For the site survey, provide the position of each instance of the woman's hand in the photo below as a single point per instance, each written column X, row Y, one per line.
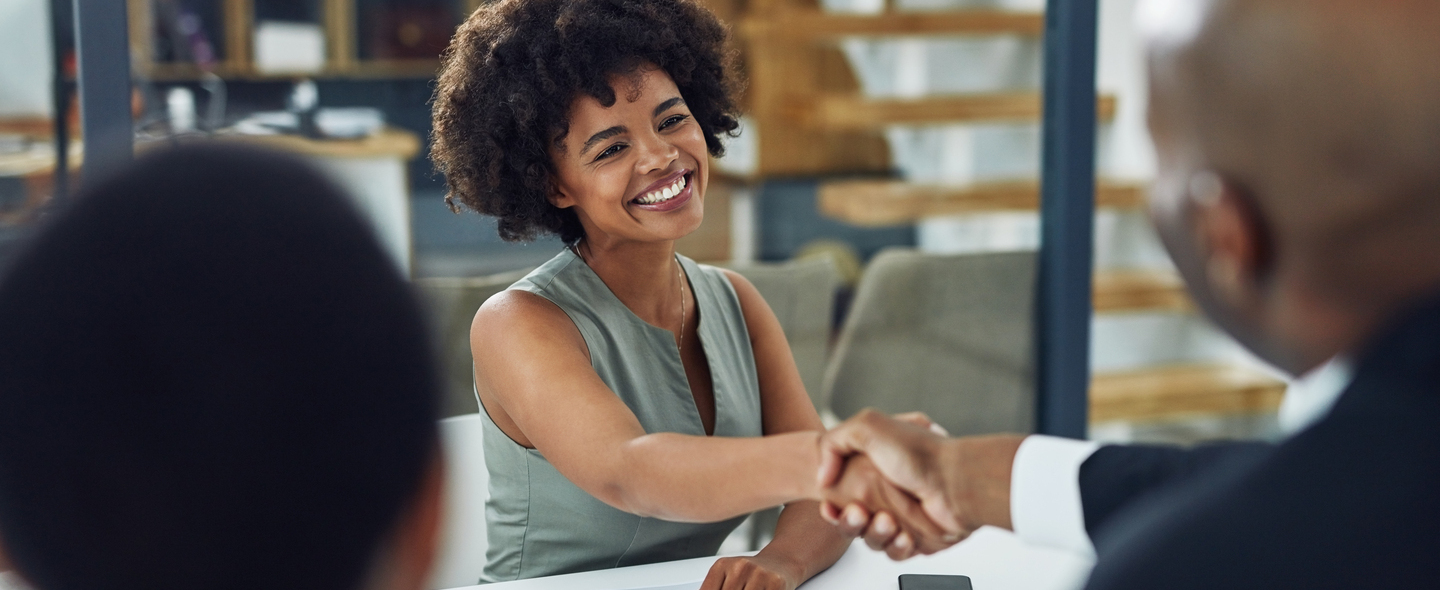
column 960, row 484
column 757, row 572
column 864, row 503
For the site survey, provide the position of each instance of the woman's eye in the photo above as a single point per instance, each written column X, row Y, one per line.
column 610, row 151
column 672, row 121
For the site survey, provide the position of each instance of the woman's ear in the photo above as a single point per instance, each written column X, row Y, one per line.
column 560, row 198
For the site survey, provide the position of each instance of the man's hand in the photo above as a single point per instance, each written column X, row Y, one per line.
column 905, row 450
column 960, row 484
column 890, row 519
column 756, row 572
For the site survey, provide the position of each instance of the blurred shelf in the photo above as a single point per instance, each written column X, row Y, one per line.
column 234, row 36
column 1183, row 390
column 392, row 68
column 854, row 113
column 39, row 160
column 389, row 142
column 34, row 127
column 27, row 163
column 368, row 69
column 893, row 202
column 810, row 25
column 1140, row 290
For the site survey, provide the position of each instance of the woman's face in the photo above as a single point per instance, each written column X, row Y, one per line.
column 636, row 170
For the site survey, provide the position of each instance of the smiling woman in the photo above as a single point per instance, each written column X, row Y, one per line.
column 514, row 70
column 638, row 404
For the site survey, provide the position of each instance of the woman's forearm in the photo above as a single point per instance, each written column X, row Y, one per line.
column 706, row 479
column 804, row 541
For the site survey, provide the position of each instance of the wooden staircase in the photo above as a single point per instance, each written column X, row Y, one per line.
column 1182, row 390
column 778, row 21
column 894, row 202
column 850, row 113
column 811, row 119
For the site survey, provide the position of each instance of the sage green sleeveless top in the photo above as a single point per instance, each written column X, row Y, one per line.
column 539, row 523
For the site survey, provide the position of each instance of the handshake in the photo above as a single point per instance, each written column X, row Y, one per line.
column 907, row 488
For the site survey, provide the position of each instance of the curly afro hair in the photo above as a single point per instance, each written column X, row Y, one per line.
column 515, row 68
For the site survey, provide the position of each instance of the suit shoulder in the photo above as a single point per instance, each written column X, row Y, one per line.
column 1339, row 505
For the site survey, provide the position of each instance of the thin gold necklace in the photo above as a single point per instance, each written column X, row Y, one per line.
column 680, row 284
column 680, row 278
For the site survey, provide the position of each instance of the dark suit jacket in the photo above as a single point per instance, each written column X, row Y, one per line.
column 1351, row 502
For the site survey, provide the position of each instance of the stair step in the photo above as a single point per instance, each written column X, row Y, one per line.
column 811, row 25
column 893, row 202
column 855, row 113
column 1140, row 290
column 1183, row 390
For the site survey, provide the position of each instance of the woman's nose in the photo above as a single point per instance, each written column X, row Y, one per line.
column 656, row 154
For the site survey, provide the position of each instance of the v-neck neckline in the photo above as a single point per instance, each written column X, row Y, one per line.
column 700, row 320
column 674, row 351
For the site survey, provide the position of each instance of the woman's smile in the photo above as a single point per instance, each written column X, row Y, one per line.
column 634, row 170
column 666, row 194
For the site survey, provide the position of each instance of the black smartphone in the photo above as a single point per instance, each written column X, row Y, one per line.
column 934, row 582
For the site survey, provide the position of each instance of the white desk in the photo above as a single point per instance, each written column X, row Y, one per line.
column 994, row 559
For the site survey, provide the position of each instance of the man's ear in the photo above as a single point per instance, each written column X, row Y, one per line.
column 415, row 541
column 1234, row 239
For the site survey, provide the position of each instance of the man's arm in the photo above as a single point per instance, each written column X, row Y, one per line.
column 1116, row 475
column 1045, row 498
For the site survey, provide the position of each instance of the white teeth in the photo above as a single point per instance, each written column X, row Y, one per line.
column 663, row 194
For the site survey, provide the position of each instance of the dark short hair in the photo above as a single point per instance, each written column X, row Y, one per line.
column 515, row 68
column 211, row 376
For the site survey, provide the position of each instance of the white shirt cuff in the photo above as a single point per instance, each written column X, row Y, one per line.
column 1045, row 506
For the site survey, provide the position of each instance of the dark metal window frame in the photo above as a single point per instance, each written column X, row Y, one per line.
column 1067, row 217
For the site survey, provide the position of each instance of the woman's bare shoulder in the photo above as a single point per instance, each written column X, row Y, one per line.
column 745, row 291
column 518, row 316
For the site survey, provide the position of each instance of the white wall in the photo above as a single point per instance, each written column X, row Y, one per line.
column 25, row 58
column 1124, row 150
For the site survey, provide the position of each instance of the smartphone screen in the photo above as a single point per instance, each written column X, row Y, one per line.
column 934, row 582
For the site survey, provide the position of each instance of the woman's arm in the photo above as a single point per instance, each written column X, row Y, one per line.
column 534, row 376
column 805, row 544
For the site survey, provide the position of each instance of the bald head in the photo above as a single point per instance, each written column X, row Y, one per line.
column 1299, row 152
column 1326, row 111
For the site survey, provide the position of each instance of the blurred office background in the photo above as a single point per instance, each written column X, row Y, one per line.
column 891, row 140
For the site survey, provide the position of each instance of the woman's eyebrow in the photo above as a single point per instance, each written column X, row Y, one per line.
column 601, row 136
column 618, row 129
column 667, row 104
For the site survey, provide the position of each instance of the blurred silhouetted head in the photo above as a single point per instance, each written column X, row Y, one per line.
column 1299, row 164
column 211, row 376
